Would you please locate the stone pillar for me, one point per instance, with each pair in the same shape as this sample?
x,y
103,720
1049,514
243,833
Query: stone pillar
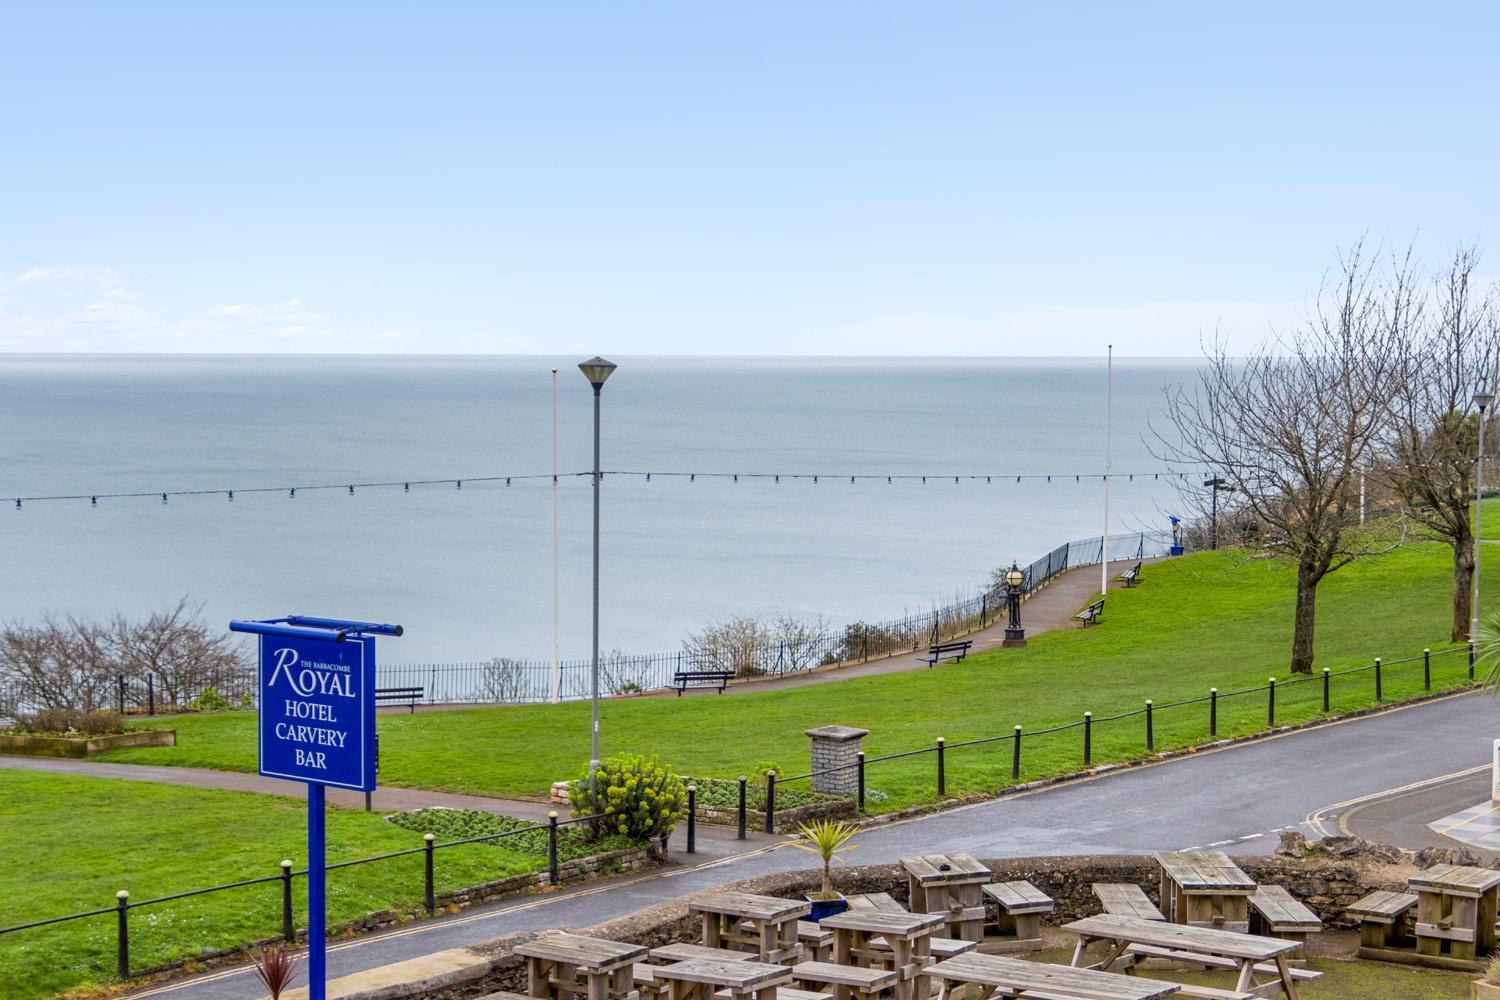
x,y
836,747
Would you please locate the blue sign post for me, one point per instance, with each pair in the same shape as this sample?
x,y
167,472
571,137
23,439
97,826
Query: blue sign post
x,y
317,726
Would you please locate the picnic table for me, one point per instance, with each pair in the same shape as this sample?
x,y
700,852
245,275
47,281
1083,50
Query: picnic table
x,y
998,975
1456,905
878,939
765,926
949,884
703,978
1205,889
560,965
1131,939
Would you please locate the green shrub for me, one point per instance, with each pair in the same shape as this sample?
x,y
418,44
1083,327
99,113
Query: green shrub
x,y
69,722
763,767
722,793
211,701
448,825
634,796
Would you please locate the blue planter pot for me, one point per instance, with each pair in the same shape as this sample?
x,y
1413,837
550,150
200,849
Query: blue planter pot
x,y
826,907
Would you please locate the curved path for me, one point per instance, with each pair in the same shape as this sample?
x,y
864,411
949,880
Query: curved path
x,y
1237,799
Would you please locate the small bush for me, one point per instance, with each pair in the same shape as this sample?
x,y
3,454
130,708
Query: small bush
x,y
722,793
211,701
634,795
764,767
70,722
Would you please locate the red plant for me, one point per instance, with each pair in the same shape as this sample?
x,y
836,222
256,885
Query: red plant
x,y
275,966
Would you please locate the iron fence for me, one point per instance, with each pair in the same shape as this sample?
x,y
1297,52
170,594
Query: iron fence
x,y
1147,718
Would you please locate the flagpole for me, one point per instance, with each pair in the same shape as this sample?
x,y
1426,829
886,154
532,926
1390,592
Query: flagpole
x,y
1109,399
556,673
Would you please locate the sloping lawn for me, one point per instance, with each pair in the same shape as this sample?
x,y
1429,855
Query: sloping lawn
x,y
72,842
1210,620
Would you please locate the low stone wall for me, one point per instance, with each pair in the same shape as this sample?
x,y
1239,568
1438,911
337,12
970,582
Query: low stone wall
x,y
83,746
1327,876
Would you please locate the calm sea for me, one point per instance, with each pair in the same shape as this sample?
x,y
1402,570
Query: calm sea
x,y
469,571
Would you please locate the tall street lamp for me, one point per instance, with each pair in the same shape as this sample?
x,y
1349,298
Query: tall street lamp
x,y
597,371
1216,484
1482,399
1015,635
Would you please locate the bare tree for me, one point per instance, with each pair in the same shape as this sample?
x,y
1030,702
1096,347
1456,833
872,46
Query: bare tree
x,y
1290,426
739,644
800,643
181,651
504,681
1447,351
59,664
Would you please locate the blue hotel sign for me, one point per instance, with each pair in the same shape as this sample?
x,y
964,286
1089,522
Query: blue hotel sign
x,y
317,710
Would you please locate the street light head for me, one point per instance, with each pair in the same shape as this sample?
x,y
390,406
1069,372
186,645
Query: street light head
x,y
1483,398
597,370
1015,577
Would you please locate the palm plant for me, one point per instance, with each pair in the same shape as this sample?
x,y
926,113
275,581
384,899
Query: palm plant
x,y
1487,649
826,838
275,966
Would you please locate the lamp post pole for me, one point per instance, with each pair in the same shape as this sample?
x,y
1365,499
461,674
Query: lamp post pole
x,y
596,370
1483,398
556,671
1216,484
1015,635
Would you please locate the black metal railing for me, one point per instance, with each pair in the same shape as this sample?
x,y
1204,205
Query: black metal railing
x,y
1148,715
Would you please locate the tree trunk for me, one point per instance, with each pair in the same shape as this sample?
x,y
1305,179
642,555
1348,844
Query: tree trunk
x,y
1305,619
1463,588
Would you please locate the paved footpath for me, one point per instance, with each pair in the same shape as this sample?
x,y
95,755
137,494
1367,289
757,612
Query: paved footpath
x,y
1237,799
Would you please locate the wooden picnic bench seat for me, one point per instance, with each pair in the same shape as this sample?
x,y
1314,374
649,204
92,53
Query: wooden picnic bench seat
x,y
955,651
1019,908
874,901
1126,900
1213,961
409,695
1132,576
817,942
685,679
1383,918
1091,615
687,952
1274,912
865,983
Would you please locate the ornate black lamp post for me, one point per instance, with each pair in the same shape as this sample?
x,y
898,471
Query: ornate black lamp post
x,y
1015,635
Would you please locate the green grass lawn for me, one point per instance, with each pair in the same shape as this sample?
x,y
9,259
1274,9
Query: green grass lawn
x,y
72,842
1210,620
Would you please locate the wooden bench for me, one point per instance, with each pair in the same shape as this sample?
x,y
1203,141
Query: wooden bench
x,y
1384,918
408,695
688,952
845,980
1132,576
1091,615
941,947
1274,912
817,943
1019,908
874,901
955,651
685,679
1126,900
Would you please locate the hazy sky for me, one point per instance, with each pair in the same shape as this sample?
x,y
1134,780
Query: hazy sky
x,y
831,178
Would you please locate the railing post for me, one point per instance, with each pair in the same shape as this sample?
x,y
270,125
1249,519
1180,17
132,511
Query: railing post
x,y
859,767
150,694
122,934
288,922
1271,703
1427,670
866,631
942,770
741,834
1150,728
1326,678
429,888
120,696
1088,739
770,801
692,818
1213,711
984,604
1379,696
553,875
1015,757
